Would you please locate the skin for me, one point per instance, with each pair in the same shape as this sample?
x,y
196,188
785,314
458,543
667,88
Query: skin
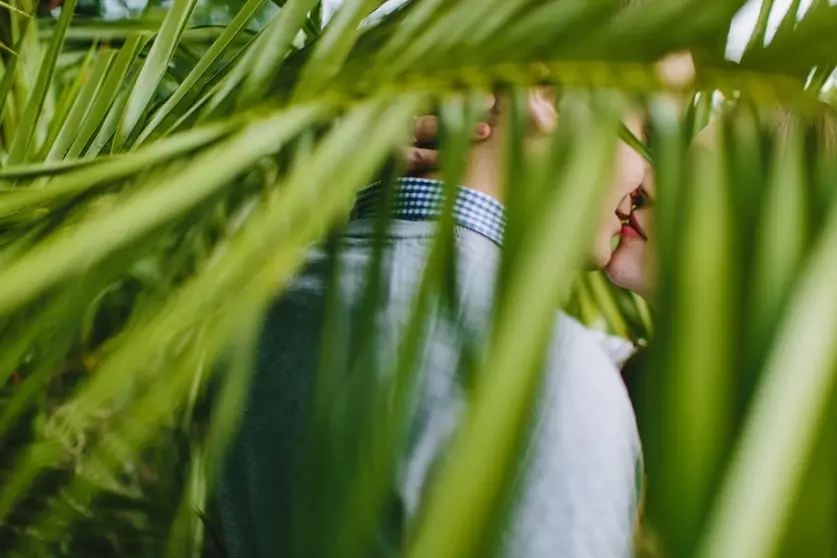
x,y
630,173
633,264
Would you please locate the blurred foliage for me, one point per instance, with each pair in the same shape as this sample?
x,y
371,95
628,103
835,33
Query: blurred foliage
x,y
163,175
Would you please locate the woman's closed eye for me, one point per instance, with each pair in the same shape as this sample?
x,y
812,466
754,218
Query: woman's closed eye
x,y
641,198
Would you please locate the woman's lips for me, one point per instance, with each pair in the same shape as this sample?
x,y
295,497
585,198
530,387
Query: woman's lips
x,y
631,227
628,231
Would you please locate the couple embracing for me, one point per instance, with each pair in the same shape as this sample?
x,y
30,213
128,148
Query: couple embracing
x,y
578,483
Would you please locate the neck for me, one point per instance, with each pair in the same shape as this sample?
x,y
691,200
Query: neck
x,y
484,169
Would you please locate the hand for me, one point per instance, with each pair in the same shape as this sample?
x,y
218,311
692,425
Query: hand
x,y
421,158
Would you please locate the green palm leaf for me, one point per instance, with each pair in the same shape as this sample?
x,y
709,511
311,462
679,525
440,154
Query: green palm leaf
x,y
160,191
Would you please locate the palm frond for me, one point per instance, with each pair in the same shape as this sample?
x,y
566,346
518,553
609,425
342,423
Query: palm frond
x,y
162,182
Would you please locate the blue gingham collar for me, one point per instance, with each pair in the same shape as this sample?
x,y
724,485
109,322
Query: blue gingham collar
x,y
421,199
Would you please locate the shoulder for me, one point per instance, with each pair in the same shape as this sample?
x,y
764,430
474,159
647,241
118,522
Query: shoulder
x,y
584,385
575,339
577,488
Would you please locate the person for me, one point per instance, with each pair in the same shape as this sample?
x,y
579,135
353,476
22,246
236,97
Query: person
x,y
578,482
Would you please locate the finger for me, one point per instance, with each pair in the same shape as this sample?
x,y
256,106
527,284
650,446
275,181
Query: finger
x,y
421,159
482,131
425,129
491,107
542,110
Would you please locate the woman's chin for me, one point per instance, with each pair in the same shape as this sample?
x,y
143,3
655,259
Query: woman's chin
x,y
626,269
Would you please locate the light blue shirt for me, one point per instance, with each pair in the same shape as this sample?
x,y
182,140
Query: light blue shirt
x,y
575,493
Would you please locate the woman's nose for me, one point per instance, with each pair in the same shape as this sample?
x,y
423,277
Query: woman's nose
x,y
623,210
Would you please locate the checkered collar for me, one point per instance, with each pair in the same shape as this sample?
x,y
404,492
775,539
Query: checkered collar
x,y
420,199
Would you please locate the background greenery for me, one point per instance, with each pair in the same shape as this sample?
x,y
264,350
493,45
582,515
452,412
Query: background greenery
x,y
162,176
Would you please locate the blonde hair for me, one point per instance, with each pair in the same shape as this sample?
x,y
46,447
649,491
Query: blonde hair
x,y
818,129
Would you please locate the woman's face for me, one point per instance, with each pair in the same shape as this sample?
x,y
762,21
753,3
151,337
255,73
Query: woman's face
x,y
630,173
631,265
630,169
